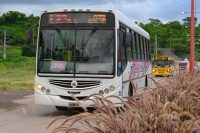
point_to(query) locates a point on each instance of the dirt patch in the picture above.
(7, 97)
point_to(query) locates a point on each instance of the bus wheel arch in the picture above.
(130, 89)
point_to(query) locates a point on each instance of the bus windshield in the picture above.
(161, 63)
(76, 51)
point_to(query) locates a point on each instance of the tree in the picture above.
(16, 24)
(186, 21)
(175, 25)
(141, 24)
(155, 21)
(12, 17)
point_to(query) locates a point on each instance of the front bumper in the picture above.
(163, 74)
(58, 101)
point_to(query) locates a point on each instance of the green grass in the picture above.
(17, 72)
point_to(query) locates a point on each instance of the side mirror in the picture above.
(30, 36)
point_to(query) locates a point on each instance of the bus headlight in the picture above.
(154, 70)
(101, 92)
(48, 91)
(39, 86)
(43, 89)
(106, 90)
(168, 70)
(112, 88)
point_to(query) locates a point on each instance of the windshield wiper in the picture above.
(90, 36)
(87, 40)
(60, 35)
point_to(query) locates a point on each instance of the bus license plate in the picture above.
(73, 104)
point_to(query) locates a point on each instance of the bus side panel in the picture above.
(126, 80)
(135, 74)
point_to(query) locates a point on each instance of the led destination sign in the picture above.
(77, 18)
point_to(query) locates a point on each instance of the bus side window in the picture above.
(128, 46)
(141, 48)
(148, 49)
(138, 46)
(144, 48)
(122, 57)
(122, 45)
(133, 43)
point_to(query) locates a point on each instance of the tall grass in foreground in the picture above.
(171, 108)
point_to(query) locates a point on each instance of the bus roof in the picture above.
(130, 23)
(118, 15)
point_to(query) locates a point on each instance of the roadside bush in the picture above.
(170, 108)
(29, 50)
(181, 48)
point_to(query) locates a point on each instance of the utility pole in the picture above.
(4, 45)
(192, 32)
(156, 45)
(170, 42)
(33, 36)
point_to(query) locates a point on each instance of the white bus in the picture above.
(85, 52)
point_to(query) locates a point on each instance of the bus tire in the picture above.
(130, 91)
(60, 108)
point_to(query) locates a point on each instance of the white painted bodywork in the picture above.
(120, 83)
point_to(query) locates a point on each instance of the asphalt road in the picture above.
(167, 52)
(19, 114)
(6, 98)
(23, 116)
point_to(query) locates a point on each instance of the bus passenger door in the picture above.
(123, 64)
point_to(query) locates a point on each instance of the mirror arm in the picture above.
(30, 34)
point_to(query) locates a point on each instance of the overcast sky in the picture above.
(138, 10)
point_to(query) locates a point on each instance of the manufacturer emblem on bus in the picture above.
(74, 84)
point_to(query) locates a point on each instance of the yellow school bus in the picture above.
(163, 66)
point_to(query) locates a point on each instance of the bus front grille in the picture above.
(74, 84)
(72, 99)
